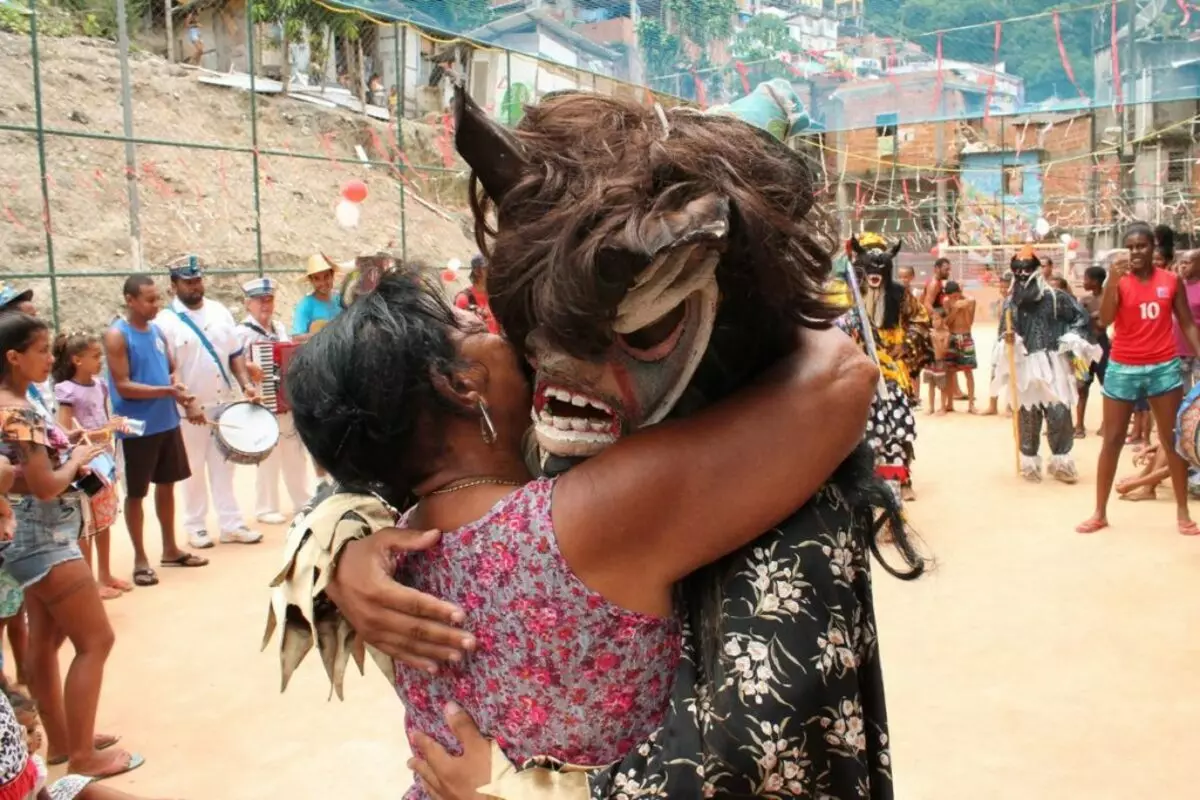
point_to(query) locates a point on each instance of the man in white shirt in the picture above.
(289, 456)
(208, 357)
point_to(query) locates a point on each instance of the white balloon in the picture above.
(454, 264)
(347, 214)
(1041, 226)
(1065, 238)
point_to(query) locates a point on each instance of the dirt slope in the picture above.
(192, 200)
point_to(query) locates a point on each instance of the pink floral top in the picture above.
(559, 669)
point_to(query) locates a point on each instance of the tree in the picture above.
(299, 18)
(759, 45)
(1028, 47)
(663, 42)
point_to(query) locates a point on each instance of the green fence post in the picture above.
(41, 145)
(254, 132)
(400, 61)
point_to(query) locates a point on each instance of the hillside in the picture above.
(193, 200)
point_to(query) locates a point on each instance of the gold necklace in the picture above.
(469, 483)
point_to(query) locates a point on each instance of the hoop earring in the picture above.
(486, 428)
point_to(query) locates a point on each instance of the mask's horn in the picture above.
(491, 151)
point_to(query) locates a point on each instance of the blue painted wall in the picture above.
(982, 206)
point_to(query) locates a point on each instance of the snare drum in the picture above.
(1187, 428)
(246, 433)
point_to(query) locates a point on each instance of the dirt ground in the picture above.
(1032, 663)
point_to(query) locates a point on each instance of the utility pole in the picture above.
(135, 225)
(167, 7)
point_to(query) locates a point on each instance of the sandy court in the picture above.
(1033, 663)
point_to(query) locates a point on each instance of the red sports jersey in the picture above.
(1142, 332)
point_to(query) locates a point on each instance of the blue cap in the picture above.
(186, 267)
(11, 296)
(259, 287)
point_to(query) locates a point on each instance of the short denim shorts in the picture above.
(47, 535)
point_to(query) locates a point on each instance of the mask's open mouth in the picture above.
(874, 281)
(568, 416)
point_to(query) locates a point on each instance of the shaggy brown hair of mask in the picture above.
(599, 167)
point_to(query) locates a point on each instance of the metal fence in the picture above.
(216, 162)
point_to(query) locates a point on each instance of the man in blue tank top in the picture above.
(146, 391)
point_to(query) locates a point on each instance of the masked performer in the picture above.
(899, 327)
(1049, 327)
(672, 271)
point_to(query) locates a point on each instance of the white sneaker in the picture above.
(241, 536)
(272, 518)
(199, 540)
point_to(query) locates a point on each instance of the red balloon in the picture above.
(449, 275)
(354, 191)
(933, 251)
(1074, 245)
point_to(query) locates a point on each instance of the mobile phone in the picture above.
(89, 484)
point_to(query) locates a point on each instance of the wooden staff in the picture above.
(1014, 401)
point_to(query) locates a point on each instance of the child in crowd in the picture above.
(83, 406)
(12, 599)
(935, 373)
(1004, 285)
(1093, 287)
(960, 317)
(23, 774)
(906, 275)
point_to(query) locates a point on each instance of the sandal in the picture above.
(185, 560)
(1188, 528)
(121, 766)
(1092, 525)
(144, 576)
(103, 741)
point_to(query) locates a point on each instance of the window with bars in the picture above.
(1177, 167)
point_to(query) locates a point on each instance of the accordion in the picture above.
(273, 359)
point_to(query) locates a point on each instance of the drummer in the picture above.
(210, 361)
(289, 457)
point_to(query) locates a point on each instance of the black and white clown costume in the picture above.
(1050, 332)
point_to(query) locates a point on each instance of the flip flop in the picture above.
(120, 585)
(109, 592)
(185, 560)
(1092, 525)
(144, 576)
(1188, 528)
(135, 761)
(102, 741)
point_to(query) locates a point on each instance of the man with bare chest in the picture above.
(960, 316)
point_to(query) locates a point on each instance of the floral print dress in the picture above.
(558, 669)
(798, 710)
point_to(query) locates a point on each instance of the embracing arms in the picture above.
(668, 499)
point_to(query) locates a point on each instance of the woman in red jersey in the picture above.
(1140, 301)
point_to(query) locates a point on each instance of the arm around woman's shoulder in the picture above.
(681, 494)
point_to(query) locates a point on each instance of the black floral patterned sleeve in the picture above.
(799, 711)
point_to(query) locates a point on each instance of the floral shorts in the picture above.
(47, 535)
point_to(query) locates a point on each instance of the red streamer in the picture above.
(701, 93)
(987, 104)
(1062, 55)
(744, 74)
(1116, 58)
